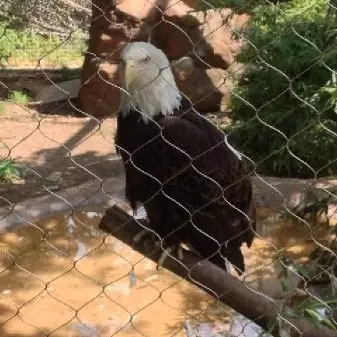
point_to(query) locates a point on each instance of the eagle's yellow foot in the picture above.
(176, 248)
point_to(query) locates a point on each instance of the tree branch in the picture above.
(227, 288)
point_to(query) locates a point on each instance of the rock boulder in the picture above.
(175, 27)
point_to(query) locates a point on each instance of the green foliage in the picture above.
(315, 206)
(18, 97)
(236, 5)
(285, 104)
(316, 209)
(28, 47)
(301, 305)
(9, 170)
(208, 4)
(312, 310)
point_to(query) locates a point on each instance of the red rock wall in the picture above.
(206, 37)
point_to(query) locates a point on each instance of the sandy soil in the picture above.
(58, 147)
(41, 142)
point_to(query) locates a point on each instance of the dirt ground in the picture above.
(57, 146)
(41, 142)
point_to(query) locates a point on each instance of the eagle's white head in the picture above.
(147, 76)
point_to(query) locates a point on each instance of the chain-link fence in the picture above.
(242, 173)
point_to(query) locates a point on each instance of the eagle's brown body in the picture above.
(180, 169)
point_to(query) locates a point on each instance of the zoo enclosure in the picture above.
(287, 54)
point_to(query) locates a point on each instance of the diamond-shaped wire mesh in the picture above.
(248, 67)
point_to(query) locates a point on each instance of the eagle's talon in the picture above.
(148, 238)
(180, 253)
(140, 235)
(163, 257)
(172, 248)
(150, 244)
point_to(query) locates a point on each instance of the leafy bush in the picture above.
(19, 98)
(285, 104)
(9, 170)
(26, 47)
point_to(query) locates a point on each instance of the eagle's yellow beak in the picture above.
(130, 73)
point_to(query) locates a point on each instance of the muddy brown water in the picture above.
(62, 276)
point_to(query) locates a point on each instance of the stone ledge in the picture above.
(112, 190)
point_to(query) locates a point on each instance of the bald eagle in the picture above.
(193, 185)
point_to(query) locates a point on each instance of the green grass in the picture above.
(9, 171)
(18, 97)
(26, 48)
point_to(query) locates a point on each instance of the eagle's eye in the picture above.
(147, 59)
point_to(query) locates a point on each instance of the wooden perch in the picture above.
(229, 289)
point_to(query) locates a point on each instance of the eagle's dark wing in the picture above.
(200, 172)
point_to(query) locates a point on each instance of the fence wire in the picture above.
(61, 275)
